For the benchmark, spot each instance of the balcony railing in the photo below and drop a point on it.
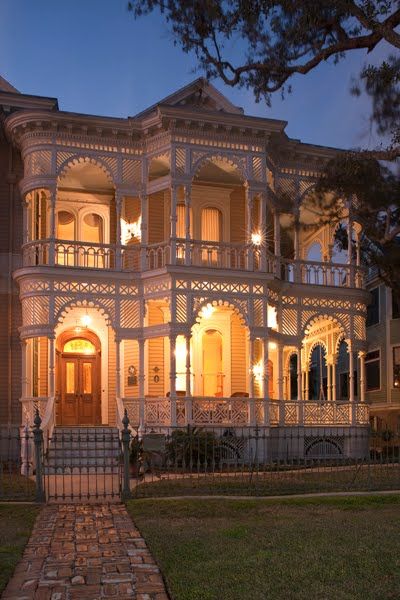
(213, 255)
(202, 411)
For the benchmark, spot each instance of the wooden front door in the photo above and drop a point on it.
(80, 390)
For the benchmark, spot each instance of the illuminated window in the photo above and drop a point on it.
(65, 225)
(79, 346)
(396, 367)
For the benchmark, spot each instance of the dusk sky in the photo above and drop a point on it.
(95, 58)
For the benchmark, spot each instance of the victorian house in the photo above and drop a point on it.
(148, 264)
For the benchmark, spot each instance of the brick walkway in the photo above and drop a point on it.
(86, 552)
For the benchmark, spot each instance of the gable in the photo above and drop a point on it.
(199, 95)
(7, 87)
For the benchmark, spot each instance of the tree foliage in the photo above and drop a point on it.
(262, 44)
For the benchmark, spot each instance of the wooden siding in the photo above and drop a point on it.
(238, 356)
(238, 218)
(156, 218)
(155, 354)
(112, 365)
(43, 370)
(131, 357)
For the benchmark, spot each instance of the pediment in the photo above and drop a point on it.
(5, 86)
(198, 95)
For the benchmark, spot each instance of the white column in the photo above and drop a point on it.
(249, 227)
(141, 379)
(265, 381)
(251, 364)
(299, 375)
(280, 371)
(362, 376)
(118, 367)
(25, 230)
(172, 377)
(24, 369)
(52, 228)
(263, 231)
(52, 367)
(334, 379)
(306, 381)
(144, 230)
(173, 218)
(187, 223)
(118, 212)
(277, 243)
(329, 381)
(351, 374)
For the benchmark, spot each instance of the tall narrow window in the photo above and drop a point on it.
(373, 371)
(373, 308)
(396, 367)
(211, 231)
(180, 222)
(92, 232)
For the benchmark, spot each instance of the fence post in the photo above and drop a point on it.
(126, 438)
(38, 441)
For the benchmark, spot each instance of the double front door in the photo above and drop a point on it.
(80, 391)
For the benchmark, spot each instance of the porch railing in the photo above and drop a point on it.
(203, 411)
(213, 255)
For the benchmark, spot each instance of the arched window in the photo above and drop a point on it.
(293, 377)
(79, 346)
(65, 225)
(317, 387)
(92, 228)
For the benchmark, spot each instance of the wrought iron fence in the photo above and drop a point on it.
(262, 461)
(104, 464)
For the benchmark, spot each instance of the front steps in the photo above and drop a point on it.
(75, 450)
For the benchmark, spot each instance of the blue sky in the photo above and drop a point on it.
(95, 58)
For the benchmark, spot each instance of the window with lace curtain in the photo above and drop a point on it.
(211, 231)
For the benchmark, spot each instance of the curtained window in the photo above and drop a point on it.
(65, 225)
(92, 229)
(180, 223)
(211, 231)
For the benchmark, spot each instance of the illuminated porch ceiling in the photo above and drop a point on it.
(220, 172)
(86, 177)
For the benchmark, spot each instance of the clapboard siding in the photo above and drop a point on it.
(156, 218)
(238, 219)
(112, 366)
(131, 357)
(43, 370)
(238, 356)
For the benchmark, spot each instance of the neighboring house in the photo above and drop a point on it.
(147, 264)
(382, 360)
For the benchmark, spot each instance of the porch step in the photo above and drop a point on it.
(83, 450)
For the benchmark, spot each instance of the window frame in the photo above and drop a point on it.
(379, 359)
(379, 308)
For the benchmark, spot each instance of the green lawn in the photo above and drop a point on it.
(14, 486)
(269, 483)
(226, 549)
(16, 523)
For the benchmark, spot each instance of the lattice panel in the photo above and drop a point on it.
(180, 155)
(129, 313)
(84, 287)
(289, 300)
(214, 286)
(289, 321)
(305, 186)
(344, 320)
(326, 303)
(286, 186)
(34, 286)
(181, 308)
(132, 407)
(274, 413)
(35, 310)
(362, 414)
(62, 157)
(258, 313)
(257, 168)
(306, 315)
(106, 306)
(131, 171)
(38, 163)
(111, 162)
(359, 327)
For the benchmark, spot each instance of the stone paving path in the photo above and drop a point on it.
(85, 551)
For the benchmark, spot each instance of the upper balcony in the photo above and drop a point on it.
(214, 222)
(206, 255)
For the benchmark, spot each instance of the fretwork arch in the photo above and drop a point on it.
(76, 159)
(235, 161)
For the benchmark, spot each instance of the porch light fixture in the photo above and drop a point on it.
(256, 238)
(86, 320)
(272, 345)
(207, 311)
(258, 370)
(78, 328)
(131, 230)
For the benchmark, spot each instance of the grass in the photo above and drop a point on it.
(14, 486)
(16, 523)
(269, 483)
(346, 548)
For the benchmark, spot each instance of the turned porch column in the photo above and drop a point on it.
(52, 225)
(52, 367)
(280, 372)
(118, 245)
(188, 199)
(265, 381)
(277, 243)
(361, 356)
(118, 388)
(334, 379)
(173, 220)
(351, 373)
(141, 381)
(299, 375)
(24, 369)
(249, 227)
(144, 229)
(172, 377)
(329, 381)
